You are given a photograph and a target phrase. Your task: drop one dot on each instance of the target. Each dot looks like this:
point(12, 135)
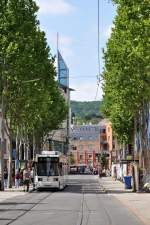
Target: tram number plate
point(49, 179)
point(45, 179)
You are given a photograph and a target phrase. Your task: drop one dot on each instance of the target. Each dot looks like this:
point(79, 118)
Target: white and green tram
point(51, 170)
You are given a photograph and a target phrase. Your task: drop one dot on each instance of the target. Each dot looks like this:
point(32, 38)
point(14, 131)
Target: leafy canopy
point(27, 70)
point(127, 73)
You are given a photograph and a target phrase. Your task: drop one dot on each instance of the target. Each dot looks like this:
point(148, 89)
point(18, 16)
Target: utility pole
point(99, 153)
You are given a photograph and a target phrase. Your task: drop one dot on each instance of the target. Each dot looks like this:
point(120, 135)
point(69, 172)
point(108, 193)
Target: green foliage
point(86, 112)
point(32, 97)
point(103, 160)
point(71, 159)
point(127, 73)
point(32, 102)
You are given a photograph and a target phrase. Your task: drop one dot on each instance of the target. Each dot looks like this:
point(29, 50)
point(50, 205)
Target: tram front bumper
point(41, 184)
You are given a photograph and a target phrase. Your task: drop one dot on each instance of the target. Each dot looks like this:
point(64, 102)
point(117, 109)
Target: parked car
point(73, 170)
point(87, 171)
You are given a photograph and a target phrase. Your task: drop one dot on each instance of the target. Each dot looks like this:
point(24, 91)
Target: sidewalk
point(138, 203)
point(5, 195)
point(13, 192)
point(113, 186)
point(20, 189)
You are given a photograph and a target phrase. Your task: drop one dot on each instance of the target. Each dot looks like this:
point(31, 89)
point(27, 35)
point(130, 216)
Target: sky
point(76, 21)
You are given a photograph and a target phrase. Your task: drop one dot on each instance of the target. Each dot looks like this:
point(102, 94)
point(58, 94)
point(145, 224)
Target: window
point(81, 157)
point(103, 131)
point(48, 166)
point(90, 147)
point(80, 147)
point(90, 156)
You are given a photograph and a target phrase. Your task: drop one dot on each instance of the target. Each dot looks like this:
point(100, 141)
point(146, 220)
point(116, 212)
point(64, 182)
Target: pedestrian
point(21, 177)
point(13, 176)
point(5, 177)
point(17, 179)
point(26, 179)
point(32, 176)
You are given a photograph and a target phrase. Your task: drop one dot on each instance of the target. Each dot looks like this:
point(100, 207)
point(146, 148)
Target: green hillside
point(86, 111)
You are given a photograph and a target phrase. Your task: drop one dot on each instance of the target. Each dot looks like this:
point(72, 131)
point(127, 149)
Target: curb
point(110, 189)
point(17, 190)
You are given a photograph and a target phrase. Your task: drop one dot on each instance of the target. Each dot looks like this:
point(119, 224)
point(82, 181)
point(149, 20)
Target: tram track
point(84, 203)
point(88, 212)
point(110, 222)
point(28, 210)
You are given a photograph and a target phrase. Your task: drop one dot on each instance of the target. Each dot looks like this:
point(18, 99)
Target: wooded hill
point(85, 112)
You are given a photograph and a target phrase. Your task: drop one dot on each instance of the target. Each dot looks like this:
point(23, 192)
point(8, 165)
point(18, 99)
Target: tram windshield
point(48, 166)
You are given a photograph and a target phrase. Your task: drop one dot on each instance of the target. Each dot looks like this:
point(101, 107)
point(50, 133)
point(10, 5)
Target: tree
point(71, 159)
point(103, 160)
point(127, 75)
point(28, 77)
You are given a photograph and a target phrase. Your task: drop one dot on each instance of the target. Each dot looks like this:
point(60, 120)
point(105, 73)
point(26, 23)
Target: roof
point(104, 122)
point(65, 87)
point(86, 132)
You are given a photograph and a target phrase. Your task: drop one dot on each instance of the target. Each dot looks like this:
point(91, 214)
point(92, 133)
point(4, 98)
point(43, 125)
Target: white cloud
point(108, 30)
point(85, 91)
point(54, 7)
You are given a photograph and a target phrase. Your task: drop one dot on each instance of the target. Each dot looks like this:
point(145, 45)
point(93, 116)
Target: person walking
point(26, 179)
point(17, 179)
point(5, 177)
point(32, 176)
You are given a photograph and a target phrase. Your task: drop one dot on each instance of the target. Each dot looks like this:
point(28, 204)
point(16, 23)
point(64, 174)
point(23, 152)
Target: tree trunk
point(17, 144)
point(10, 163)
point(2, 153)
point(34, 146)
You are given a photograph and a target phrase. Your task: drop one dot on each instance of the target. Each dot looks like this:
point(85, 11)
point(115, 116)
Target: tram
point(51, 170)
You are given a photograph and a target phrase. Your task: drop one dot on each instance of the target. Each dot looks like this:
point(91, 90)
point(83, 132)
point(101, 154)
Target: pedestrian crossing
point(94, 189)
point(85, 185)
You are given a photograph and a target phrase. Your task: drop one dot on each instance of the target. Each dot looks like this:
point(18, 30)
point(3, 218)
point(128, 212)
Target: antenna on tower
point(57, 55)
point(57, 41)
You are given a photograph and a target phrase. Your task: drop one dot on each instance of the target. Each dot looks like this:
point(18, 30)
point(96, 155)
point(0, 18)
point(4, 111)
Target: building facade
point(59, 139)
point(85, 142)
point(91, 142)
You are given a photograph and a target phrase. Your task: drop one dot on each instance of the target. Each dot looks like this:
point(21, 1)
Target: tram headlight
point(39, 179)
point(55, 179)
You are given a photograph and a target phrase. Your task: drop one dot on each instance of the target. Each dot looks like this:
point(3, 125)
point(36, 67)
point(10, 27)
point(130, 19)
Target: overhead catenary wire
point(82, 77)
point(98, 51)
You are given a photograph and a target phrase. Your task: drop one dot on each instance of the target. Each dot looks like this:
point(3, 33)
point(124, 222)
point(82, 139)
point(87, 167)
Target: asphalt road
point(83, 202)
